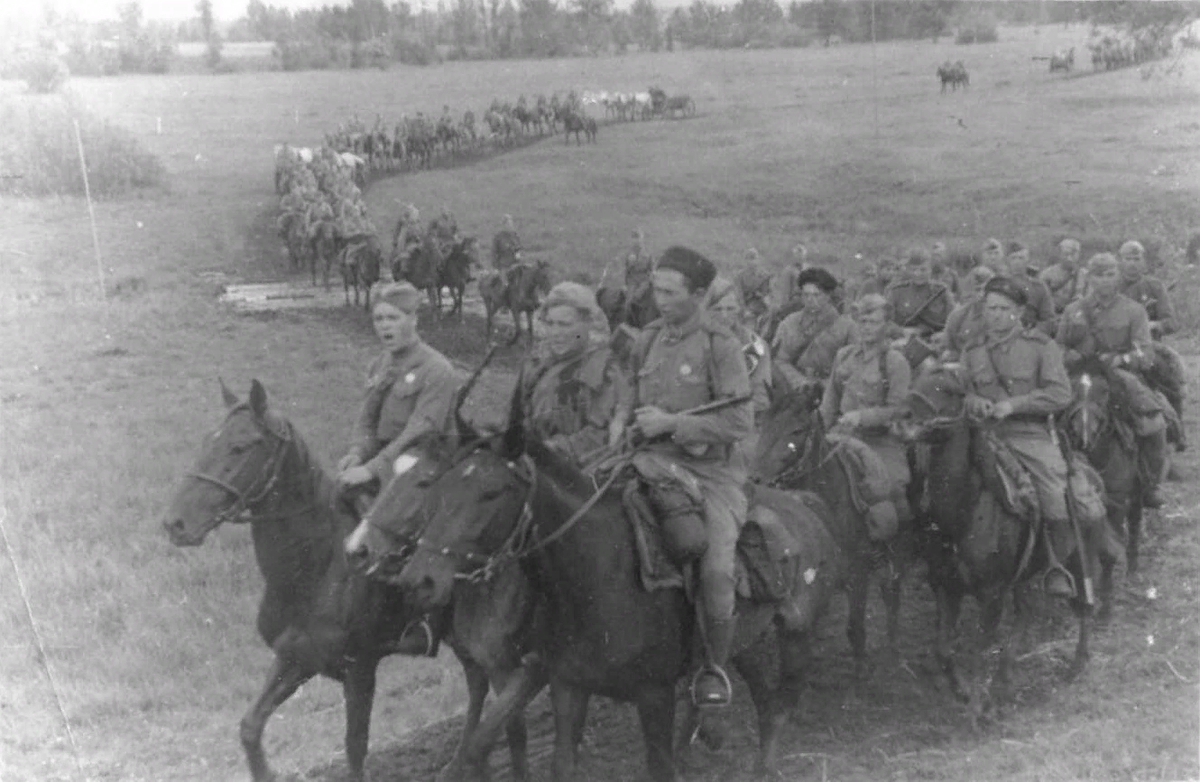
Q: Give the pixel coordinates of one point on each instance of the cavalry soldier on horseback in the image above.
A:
(967, 321)
(683, 361)
(506, 246)
(754, 285)
(1116, 329)
(572, 394)
(939, 267)
(1066, 280)
(807, 341)
(726, 307)
(410, 387)
(406, 236)
(1015, 378)
(867, 390)
(1166, 373)
(1039, 307)
(1146, 290)
(919, 306)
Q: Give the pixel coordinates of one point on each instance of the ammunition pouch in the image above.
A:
(682, 520)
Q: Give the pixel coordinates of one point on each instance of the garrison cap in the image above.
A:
(1006, 288)
(916, 257)
(1016, 247)
(695, 268)
(401, 295)
(993, 244)
(1102, 261)
(1132, 246)
(980, 275)
(574, 295)
(817, 276)
(872, 302)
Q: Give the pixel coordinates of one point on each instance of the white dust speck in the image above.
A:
(1152, 593)
(139, 223)
(1150, 640)
(810, 575)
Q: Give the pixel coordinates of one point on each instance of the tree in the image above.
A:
(643, 25)
(539, 29)
(831, 18)
(757, 12)
(204, 9)
(464, 25)
(507, 27)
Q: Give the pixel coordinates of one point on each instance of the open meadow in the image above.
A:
(103, 401)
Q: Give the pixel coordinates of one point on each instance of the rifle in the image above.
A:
(913, 317)
(1064, 444)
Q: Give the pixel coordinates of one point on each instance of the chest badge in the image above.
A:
(410, 377)
(685, 370)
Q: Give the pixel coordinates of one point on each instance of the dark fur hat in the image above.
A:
(817, 276)
(1006, 288)
(695, 268)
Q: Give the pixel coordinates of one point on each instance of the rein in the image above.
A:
(796, 472)
(520, 542)
(241, 511)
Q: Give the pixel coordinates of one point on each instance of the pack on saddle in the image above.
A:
(665, 512)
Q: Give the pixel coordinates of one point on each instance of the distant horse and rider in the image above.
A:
(954, 75)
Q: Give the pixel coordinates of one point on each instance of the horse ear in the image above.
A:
(227, 396)
(258, 398)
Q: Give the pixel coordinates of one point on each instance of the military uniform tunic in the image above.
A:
(506, 249)
(1065, 285)
(875, 383)
(965, 324)
(682, 368)
(1039, 305)
(407, 396)
(1026, 368)
(807, 342)
(923, 306)
(1152, 294)
(568, 402)
(1092, 327)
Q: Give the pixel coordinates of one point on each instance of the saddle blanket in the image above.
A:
(770, 561)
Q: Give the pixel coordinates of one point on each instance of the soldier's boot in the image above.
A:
(711, 686)
(1057, 580)
(1152, 460)
(422, 636)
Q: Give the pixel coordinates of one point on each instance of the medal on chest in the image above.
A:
(410, 378)
(685, 370)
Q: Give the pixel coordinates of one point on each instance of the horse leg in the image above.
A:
(568, 701)
(856, 629)
(1082, 654)
(656, 713)
(514, 690)
(516, 337)
(477, 688)
(949, 606)
(752, 665)
(285, 678)
(889, 590)
(795, 655)
(359, 692)
(1134, 532)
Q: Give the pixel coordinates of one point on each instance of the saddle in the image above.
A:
(1008, 481)
(768, 561)
(871, 489)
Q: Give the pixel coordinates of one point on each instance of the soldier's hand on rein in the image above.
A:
(1001, 410)
(355, 476)
(850, 420)
(654, 421)
(978, 407)
(348, 461)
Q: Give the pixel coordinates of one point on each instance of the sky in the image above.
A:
(225, 10)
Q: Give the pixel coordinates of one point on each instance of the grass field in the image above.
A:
(103, 402)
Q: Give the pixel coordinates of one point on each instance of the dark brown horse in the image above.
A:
(974, 545)
(1091, 424)
(493, 621)
(518, 289)
(455, 272)
(317, 615)
(324, 247)
(361, 260)
(423, 267)
(510, 500)
(793, 454)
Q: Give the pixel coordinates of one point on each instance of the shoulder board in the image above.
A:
(1036, 335)
(896, 285)
(758, 345)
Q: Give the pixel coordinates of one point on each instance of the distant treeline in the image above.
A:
(371, 33)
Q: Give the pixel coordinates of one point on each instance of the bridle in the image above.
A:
(521, 541)
(241, 510)
(1082, 409)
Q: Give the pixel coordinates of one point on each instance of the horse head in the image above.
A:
(936, 403)
(238, 467)
(475, 512)
(1089, 414)
(792, 427)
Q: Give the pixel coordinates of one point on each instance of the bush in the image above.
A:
(40, 156)
(42, 71)
(92, 59)
(411, 50)
(982, 30)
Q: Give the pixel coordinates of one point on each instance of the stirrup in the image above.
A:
(423, 624)
(719, 672)
(1057, 567)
